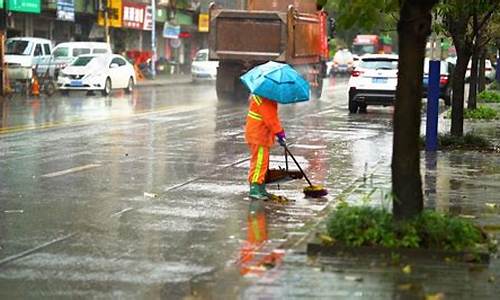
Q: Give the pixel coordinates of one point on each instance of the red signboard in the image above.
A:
(133, 15)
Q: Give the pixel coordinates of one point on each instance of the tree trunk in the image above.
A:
(414, 27)
(457, 106)
(471, 103)
(482, 68)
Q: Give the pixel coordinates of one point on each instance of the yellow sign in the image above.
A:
(114, 14)
(203, 23)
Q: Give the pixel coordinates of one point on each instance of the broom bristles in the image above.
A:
(315, 191)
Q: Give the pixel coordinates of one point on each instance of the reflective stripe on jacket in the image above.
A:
(262, 121)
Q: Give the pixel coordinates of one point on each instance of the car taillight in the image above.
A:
(443, 79)
(488, 69)
(356, 73)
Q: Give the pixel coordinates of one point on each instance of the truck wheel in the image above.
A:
(224, 85)
(318, 90)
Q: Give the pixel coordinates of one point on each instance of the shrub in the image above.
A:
(489, 96)
(368, 226)
(480, 113)
(469, 141)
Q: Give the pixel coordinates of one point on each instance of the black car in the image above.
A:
(445, 87)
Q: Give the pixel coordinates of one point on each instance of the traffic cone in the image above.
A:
(35, 87)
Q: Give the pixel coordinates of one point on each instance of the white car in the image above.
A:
(489, 71)
(373, 82)
(342, 62)
(97, 73)
(202, 68)
(23, 54)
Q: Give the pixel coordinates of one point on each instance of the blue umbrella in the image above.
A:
(278, 82)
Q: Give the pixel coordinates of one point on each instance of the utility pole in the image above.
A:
(3, 34)
(153, 38)
(106, 20)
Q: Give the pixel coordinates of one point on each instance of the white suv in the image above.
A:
(373, 82)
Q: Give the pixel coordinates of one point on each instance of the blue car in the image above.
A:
(445, 87)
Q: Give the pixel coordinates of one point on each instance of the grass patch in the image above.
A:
(469, 141)
(357, 226)
(480, 113)
(489, 96)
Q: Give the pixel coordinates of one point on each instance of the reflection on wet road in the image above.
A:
(144, 195)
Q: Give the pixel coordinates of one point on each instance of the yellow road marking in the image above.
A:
(175, 109)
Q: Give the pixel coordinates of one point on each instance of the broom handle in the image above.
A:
(286, 160)
(298, 166)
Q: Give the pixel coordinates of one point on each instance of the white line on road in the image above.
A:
(72, 170)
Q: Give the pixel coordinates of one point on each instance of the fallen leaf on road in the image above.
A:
(326, 239)
(491, 279)
(407, 269)
(150, 195)
(436, 296)
(405, 287)
(491, 205)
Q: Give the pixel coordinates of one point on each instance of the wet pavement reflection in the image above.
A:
(144, 196)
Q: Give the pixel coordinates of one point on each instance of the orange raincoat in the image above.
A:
(262, 125)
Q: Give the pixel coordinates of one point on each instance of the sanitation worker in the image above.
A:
(262, 126)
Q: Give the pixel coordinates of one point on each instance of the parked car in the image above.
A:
(355, 61)
(445, 87)
(91, 72)
(64, 53)
(23, 54)
(489, 71)
(202, 68)
(373, 82)
(342, 62)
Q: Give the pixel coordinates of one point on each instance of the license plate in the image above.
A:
(76, 83)
(379, 80)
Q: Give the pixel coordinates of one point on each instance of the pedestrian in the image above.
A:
(262, 125)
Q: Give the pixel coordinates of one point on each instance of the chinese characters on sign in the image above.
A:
(66, 10)
(114, 14)
(137, 16)
(133, 15)
(30, 6)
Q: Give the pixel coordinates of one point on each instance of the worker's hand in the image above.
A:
(281, 138)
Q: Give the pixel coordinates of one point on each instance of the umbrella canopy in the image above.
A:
(278, 82)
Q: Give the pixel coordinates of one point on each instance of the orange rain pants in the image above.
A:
(262, 125)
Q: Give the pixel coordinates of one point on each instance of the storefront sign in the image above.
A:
(148, 18)
(203, 23)
(114, 14)
(30, 6)
(133, 15)
(171, 31)
(66, 10)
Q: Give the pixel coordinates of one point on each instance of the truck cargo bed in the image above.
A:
(290, 37)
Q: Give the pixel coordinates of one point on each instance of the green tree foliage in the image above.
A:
(464, 21)
(414, 26)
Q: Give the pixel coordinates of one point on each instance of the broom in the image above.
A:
(313, 191)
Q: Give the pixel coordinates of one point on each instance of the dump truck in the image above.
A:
(288, 31)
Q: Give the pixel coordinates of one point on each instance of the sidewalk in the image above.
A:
(162, 80)
(462, 183)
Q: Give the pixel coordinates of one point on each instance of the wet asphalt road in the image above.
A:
(143, 196)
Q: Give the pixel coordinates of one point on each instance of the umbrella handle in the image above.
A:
(298, 166)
